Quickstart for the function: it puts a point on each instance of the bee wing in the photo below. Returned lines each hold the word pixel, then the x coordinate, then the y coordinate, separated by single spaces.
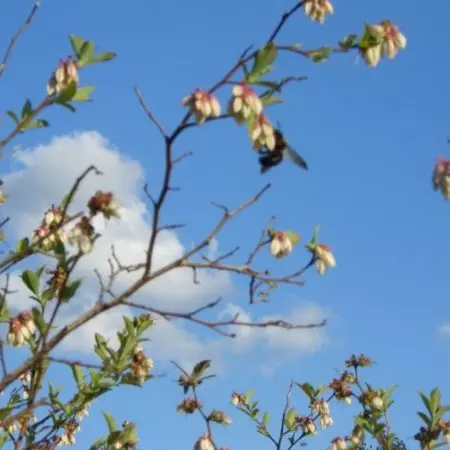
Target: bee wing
pixel 296 158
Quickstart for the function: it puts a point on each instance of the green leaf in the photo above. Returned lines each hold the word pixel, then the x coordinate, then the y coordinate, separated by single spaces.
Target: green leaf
pixel 31 281
pixel 77 372
pixel 308 390
pixel 249 395
pixel 70 290
pixel 315 235
pixel 270 84
pixel 292 236
pixel 270 100
pixel 348 42
pixel 200 368
pixel 39 123
pixel 435 399
pixel 112 426
pixel 103 57
pixel 87 52
pixel 39 320
pixel 322 54
pixel 67 94
pixel 289 420
pixel 262 63
pixel 426 402
pixel 27 109
pixel 77 44
pixel 22 245
pixel 265 419
pixel 13 116
pixel 424 417
pixel 82 94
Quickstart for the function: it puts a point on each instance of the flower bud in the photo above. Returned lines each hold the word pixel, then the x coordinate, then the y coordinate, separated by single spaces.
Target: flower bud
pixel 204 443
pixel 317 9
pixel 262 133
pixel 280 245
pixel 203 105
pixel 243 102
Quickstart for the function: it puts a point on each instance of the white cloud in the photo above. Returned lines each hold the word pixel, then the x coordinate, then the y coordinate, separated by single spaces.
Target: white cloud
pixel 444 330
pixel 46 174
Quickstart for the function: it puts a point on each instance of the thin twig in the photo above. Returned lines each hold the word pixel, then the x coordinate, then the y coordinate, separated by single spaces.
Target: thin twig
pixel 16 37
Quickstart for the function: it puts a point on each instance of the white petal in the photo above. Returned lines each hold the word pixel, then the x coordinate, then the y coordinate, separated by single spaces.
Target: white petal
pixel 238 90
pixel 400 40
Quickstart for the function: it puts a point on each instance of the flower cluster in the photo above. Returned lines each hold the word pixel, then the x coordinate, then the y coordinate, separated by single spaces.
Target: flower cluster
pixel 238 399
pixel 441 177
pixel 82 235
pixel 262 133
pixel 318 9
pixel 244 102
pixel 338 444
pixel 219 417
pixel 50 232
pixel 68 436
pixel 322 408
pixel 204 443
pixel 306 424
pixel 324 257
pixel 65 74
pixel 202 104
pixel 387 40
pixel 141 365
pixel 373 399
pixel 25 378
pixel 341 390
pixel 358 361
pixel 280 245
pixel 189 405
pixel 21 328
pixel 105 203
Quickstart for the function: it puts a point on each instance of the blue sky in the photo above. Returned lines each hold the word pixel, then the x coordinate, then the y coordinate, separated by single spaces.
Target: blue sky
pixel 370 137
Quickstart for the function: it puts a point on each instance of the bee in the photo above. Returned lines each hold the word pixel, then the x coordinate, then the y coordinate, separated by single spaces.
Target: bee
pixel 271 158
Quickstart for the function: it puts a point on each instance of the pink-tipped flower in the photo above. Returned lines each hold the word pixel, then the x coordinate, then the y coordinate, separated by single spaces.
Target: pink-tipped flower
pixel 441 177
pixel 21 329
pixel 357 435
pixel 338 444
pixel 318 9
pixel 105 203
pixel 244 102
pixel 202 104
pixel 280 245
pixel 324 258
pixel 262 133
pixel 204 443
pixel 387 41
pixel 53 217
pixel 82 235
pixel 394 40
pixel 65 74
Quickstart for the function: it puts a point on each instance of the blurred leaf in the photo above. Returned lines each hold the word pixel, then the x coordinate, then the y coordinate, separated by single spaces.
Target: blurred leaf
pixel 112 426
pixel 70 290
pixel 77 372
pixel 426 402
pixel 262 63
pixel 424 417
pixel 348 42
pixel 77 44
pixel 22 245
pixel 435 399
pixel 268 100
pixel 200 368
pixel 67 94
pixel 103 57
pixel 39 123
pixel 270 84
pixel 13 116
pixel 82 94
pixel 87 52
pixel 39 320
pixel 27 109
pixel 320 55
pixel 308 390
pixel 289 420
pixel 292 236
pixel 31 281
pixel 265 419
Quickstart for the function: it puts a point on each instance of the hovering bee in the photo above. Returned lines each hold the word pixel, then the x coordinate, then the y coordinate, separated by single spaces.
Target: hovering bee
pixel 271 158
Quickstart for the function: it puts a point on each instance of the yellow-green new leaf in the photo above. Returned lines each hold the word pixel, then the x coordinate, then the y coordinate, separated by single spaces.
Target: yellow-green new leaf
pixel 82 94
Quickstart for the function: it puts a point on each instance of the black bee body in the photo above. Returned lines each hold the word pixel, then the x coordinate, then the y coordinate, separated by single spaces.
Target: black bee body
pixel 271 158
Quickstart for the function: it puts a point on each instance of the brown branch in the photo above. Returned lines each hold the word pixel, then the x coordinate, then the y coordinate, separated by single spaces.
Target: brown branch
pixel 284 18
pixel 16 37
pixel 150 115
pixel 74 363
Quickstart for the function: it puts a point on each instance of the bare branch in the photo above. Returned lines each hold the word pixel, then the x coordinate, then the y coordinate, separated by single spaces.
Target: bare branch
pixel 150 115
pixel 16 37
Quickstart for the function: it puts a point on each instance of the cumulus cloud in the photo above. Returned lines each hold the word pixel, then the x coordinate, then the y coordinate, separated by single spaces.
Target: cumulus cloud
pixel 48 171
